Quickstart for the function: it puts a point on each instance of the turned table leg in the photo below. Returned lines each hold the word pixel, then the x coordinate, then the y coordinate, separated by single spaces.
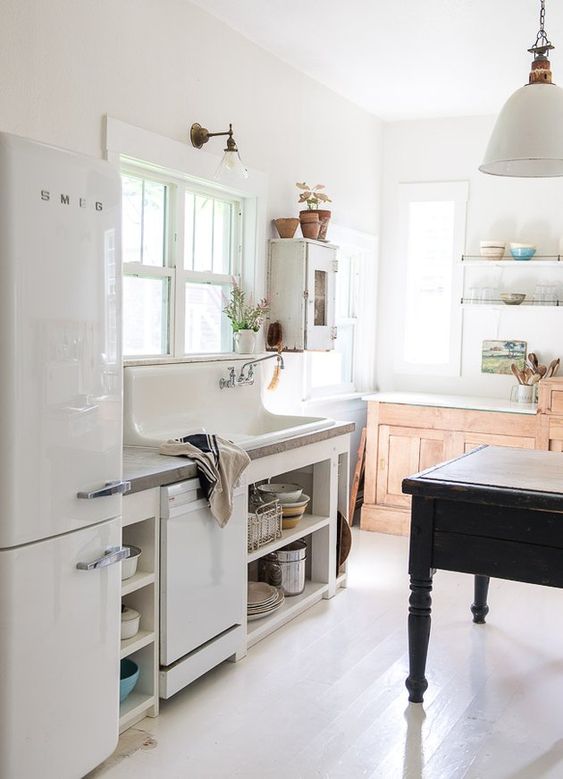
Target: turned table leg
pixel 420 606
pixel 479 607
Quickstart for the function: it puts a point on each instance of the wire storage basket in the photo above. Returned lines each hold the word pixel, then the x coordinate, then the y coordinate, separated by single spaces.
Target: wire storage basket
pixel 264 525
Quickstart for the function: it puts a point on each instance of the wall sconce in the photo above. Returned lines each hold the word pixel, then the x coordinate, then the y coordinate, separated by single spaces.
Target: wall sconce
pixel 231 158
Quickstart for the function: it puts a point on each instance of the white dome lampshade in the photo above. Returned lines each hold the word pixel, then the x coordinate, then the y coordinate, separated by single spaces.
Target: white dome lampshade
pixel 527 140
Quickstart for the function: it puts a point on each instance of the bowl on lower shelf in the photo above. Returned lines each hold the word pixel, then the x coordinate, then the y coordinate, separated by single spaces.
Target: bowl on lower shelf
pixel 512 298
pixel 128 678
pixel 129 565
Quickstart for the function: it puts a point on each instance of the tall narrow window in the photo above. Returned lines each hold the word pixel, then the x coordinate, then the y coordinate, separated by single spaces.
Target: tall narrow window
pixel 433 231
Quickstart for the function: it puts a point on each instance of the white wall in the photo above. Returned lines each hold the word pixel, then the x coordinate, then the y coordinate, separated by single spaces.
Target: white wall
pixel 163 64
pixel 509 209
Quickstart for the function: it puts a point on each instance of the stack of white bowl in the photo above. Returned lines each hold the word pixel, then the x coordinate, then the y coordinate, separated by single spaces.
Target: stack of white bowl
pixel 493 250
pixel 292 499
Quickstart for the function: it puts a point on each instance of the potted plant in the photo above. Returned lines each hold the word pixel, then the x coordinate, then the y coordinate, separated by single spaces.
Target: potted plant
pixel 314 220
pixel 246 319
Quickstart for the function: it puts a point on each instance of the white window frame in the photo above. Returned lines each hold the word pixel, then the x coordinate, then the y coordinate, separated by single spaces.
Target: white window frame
pixel 457 192
pixel 159 157
pixel 363 380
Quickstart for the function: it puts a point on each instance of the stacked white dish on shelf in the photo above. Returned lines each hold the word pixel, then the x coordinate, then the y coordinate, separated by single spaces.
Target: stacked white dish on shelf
pixel 262 600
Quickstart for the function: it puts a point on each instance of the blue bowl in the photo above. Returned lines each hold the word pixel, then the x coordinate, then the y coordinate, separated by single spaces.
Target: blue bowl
pixel 522 253
pixel 128 678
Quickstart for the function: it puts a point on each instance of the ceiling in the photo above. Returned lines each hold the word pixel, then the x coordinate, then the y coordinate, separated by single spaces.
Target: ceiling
pixel 403 60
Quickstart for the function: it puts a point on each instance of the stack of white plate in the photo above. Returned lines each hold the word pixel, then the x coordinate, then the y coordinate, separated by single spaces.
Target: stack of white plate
pixel 263 599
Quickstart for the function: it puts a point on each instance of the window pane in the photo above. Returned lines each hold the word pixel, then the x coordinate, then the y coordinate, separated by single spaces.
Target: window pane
pixel 207 328
pixel 429 281
pixel 132 189
pixel 154 221
pixel 321 277
pixel 189 231
pixel 144 220
pixel 222 237
pixel 145 316
pixel 203 238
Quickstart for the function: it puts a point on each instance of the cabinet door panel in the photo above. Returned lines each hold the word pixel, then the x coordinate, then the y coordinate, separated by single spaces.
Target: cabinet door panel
pixel 404 451
pixel 474 440
pixel 321 291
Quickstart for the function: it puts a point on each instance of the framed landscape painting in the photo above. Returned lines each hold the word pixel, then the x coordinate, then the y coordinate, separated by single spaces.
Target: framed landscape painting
pixel 498 356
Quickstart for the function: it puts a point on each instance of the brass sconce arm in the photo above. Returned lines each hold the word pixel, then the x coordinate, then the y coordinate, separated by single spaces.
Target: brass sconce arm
pixel 200 135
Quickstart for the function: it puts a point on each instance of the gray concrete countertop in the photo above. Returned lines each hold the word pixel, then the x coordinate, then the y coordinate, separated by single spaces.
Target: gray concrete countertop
pixel 146 468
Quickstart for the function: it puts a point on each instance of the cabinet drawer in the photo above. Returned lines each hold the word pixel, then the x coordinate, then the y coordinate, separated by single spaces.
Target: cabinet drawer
pixel 141 505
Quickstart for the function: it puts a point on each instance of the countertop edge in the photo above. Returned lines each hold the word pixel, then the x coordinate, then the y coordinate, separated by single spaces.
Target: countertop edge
pixel 184 468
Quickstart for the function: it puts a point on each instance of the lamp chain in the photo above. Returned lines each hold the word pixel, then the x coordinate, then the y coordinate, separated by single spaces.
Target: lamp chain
pixel 542 41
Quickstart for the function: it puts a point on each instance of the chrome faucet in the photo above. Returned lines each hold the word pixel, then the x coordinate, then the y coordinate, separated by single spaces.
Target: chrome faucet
pixel 249 378
pixel 230 382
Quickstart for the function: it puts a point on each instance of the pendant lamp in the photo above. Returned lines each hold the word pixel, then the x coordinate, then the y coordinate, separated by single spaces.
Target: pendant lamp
pixel 527 140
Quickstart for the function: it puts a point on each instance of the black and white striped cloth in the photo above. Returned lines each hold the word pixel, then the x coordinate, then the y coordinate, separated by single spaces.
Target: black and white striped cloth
pixel 220 464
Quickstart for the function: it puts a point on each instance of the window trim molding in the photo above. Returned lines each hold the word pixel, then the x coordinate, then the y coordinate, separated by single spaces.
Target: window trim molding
pixel 421 191
pixel 127 145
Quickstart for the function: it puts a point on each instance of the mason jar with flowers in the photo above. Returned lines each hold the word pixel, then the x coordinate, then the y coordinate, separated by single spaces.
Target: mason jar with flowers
pixel 246 319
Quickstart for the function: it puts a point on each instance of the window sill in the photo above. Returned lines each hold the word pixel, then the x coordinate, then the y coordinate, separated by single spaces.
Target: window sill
pixel 223 357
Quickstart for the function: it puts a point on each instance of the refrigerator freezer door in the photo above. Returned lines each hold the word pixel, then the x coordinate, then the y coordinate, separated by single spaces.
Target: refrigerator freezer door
pixel 59 656
pixel 60 394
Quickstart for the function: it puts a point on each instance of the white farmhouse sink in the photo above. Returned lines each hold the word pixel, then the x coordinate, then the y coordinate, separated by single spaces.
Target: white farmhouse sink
pixel 167 401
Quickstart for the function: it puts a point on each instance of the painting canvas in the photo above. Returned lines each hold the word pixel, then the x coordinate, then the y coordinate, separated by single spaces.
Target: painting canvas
pixel 498 356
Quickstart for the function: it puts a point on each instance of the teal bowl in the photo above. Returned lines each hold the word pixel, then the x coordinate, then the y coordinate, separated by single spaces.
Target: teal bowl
pixel 522 253
pixel 128 678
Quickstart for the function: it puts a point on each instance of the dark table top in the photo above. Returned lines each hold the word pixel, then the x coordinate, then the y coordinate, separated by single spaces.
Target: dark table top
pixel 495 474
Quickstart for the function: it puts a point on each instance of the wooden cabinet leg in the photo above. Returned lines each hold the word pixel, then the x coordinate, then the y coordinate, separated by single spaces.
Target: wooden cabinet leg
pixel 420 606
pixel 479 607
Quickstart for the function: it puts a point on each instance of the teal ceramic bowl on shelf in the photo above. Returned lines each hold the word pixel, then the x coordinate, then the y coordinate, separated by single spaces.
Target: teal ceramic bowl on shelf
pixel 128 678
pixel 522 251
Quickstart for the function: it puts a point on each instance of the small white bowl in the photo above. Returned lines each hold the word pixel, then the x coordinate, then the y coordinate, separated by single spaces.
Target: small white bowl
pixel 129 565
pixel 130 622
pixel 285 493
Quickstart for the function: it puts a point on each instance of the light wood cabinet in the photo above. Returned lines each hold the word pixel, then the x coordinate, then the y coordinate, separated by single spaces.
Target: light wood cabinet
pixel 403 440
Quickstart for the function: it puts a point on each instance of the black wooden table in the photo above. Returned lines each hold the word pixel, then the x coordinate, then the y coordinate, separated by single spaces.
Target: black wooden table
pixel 492 512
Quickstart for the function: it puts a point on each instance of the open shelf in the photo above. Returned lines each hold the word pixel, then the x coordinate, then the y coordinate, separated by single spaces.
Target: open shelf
pixel 293 605
pixel 308 524
pixel 138 580
pixel 133 707
pixel 130 645
pixel 537 259
pixel 499 304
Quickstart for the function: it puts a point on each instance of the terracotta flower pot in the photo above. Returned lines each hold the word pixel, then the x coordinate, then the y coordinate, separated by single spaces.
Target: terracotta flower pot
pixel 324 218
pixel 286 227
pixel 310 224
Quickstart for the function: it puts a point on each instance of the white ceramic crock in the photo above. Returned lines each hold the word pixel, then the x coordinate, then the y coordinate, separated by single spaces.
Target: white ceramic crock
pixel 245 341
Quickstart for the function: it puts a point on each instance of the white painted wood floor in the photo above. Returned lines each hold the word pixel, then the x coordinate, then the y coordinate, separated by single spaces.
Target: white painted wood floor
pixel 325 696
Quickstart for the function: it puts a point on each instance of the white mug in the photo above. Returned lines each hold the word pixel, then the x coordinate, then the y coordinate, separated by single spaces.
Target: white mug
pixel 525 393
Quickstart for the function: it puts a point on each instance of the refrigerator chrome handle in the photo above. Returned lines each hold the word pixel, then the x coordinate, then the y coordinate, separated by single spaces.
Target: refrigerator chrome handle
pixel 112 555
pixel 110 488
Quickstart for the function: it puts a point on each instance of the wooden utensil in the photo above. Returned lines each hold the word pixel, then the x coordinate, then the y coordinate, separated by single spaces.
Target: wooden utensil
pixel 516 372
pixel 533 360
pixel 275 341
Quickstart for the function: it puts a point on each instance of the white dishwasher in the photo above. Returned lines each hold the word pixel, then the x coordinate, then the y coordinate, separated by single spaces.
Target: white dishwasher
pixel 202 584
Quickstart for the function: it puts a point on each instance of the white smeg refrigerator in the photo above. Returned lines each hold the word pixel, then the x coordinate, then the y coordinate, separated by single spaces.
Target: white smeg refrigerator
pixel 60 460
